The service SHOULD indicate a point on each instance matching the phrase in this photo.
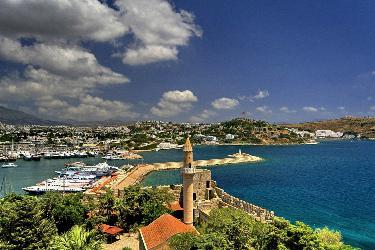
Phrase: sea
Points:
(329, 184)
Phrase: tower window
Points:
(189, 165)
(194, 196)
(208, 184)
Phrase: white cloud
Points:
(206, 114)
(287, 110)
(72, 61)
(149, 54)
(89, 108)
(56, 96)
(341, 108)
(49, 38)
(264, 110)
(310, 109)
(372, 108)
(262, 94)
(225, 103)
(158, 28)
(60, 19)
(173, 103)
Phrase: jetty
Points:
(134, 176)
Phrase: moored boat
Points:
(9, 165)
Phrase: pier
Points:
(137, 174)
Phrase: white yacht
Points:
(9, 165)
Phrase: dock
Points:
(134, 176)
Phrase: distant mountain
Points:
(16, 117)
(352, 125)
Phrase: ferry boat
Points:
(52, 188)
(9, 165)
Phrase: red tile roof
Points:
(112, 230)
(175, 206)
(162, 229)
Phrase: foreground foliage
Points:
(228, 228)
(23, 224)
(138, 206)
(78, 238)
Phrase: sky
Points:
(188, 61)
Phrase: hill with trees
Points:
(348, 125)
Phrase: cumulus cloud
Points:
(260, 95)
(341, 108)
(72, 61)
(310, 109)
(225, 103)
(206, 114)
(173, 103)
(149, 54)
(372, 108)
(60, 19)
(159, 30)
(60, 97)
(89, 108)
(264, 110)
(50, 41)
(287, 110)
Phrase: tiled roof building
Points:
(156, 235)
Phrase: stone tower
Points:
(188, 171)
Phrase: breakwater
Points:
(138, 173)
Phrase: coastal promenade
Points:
(137, 174)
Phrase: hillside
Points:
(252, 131)
(350, 125)
(16, 117)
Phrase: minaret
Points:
(188, 171)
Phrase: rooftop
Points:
(162, 229)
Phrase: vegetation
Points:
(23, 224)
(137, 207)
(227, 228)
(251, 131)
(56, 221)
(78, 238)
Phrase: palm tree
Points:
(78, 238)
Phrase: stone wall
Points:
(257, 212)
(201, 178)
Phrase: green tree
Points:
(186, 241)
(240, 230)
(23, 224)
(331, 240)
(78, 238)
(141, 206)
(67, 210)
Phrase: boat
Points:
(27, 157)
(52, 188)
(111, 157)
(36, 157)
(101, 169)
(9, 165)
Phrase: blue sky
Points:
(200, 61)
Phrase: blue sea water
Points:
(330, 184)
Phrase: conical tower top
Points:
(187, 146)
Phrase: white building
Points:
(328, 134)
(229, 137)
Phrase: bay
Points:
(330, 184)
